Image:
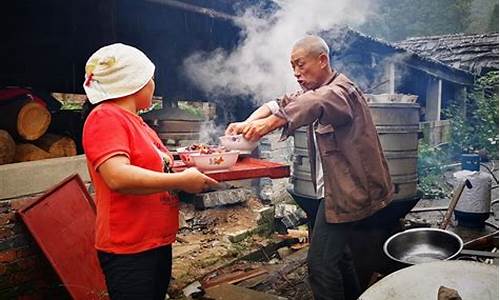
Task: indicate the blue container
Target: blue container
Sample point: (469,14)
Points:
(470,162)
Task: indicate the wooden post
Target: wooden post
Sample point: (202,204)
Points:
(390,73)
(461,98)
(433,99)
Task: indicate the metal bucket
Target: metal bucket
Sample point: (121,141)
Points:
(422,245)
(301,170)
(398,127)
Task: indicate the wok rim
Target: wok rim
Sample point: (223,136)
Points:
(454,235)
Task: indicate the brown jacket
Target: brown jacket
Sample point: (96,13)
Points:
(357,179)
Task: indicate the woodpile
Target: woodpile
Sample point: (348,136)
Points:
(23,133)
(7,148)
(24,119)
(56,145)
(30,152)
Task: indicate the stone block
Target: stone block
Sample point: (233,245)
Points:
(220,198)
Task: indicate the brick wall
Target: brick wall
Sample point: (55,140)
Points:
(25,273)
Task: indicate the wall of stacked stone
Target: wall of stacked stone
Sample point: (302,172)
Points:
(270,148)
(25,273)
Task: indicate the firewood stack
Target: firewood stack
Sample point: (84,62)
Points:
(23,133)
(7,148)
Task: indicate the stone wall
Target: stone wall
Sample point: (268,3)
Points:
(272,149)
(25,273)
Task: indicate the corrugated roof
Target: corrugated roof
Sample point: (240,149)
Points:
(343,39)
(474,53)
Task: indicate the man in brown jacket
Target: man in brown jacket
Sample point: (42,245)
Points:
(351,175)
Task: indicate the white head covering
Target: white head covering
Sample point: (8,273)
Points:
(116,71)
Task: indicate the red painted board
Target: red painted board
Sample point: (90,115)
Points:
(246,168)
(62,221)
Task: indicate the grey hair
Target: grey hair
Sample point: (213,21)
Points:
(313,44)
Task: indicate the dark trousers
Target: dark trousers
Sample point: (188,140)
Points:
(141,276)
(331,270)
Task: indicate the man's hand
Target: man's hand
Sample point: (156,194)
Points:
(255,130)
(236,128)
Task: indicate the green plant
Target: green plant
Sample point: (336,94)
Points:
(185,106)
(474,124)
(429,167)
(155,106)
(71,106)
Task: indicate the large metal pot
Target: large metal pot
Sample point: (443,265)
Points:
(398,126)
(472,280)
(421,245)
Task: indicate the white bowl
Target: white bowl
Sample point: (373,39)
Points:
(237,142)
(185,156)
(215,161)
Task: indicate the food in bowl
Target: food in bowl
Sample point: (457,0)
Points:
(215,160)
(185,153)
(185,156)
(206,149)
(238,142)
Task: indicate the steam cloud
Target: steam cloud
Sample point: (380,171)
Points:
(259,67)
(210,132)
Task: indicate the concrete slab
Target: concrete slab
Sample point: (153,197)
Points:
(26,178)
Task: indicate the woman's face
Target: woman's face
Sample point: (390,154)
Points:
(144,97)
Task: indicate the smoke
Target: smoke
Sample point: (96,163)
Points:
(259,66)
(210,132)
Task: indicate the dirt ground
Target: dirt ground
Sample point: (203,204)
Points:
(204,250)
(204,244)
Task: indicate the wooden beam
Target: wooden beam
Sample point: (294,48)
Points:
(433,68)
(196,9)
(391,76)
(441,71)
(433,99)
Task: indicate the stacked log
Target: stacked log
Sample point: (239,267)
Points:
(7,148)
(24,119)
(30,152)
(57,145)
(23,133)
(48,146)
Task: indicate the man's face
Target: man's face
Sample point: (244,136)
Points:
(309,69)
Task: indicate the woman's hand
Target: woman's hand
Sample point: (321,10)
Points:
(122,177)
(195,182)
(235,128)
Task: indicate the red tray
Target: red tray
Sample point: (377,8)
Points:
(245,168)
(62,221)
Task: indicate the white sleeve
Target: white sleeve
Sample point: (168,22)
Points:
(273,106)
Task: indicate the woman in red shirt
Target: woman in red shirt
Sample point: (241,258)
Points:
(137,215)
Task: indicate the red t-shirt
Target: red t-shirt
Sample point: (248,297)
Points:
(127,223)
